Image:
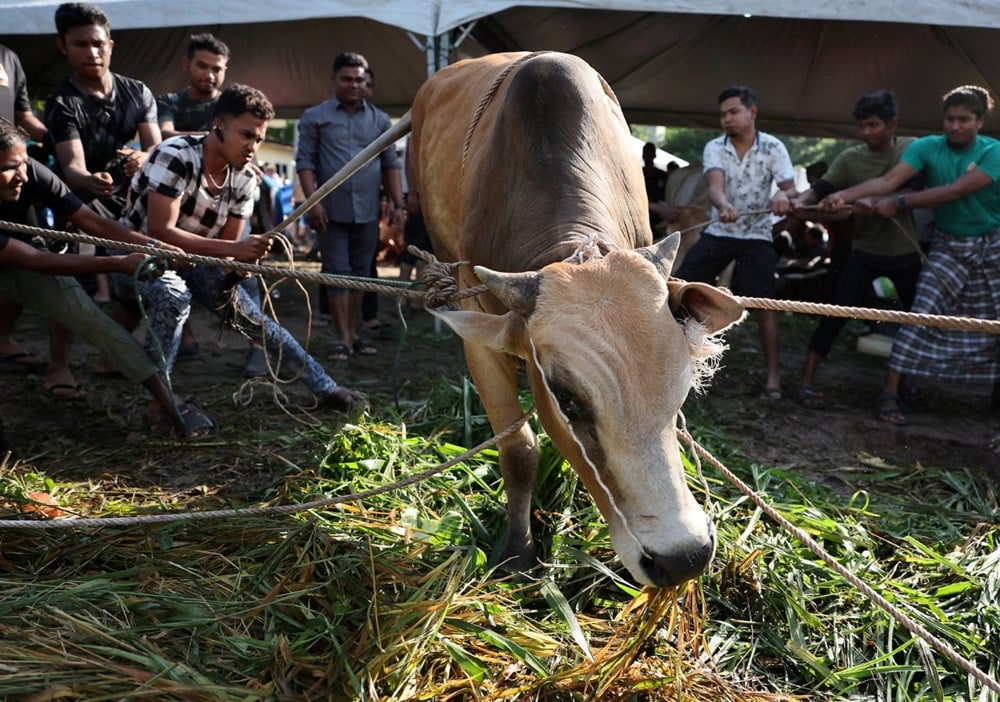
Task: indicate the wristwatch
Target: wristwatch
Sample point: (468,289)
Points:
(901,201)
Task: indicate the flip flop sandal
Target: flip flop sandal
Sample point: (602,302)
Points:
(197,423)
(340,352)
(195,420)
(364,348)
(770,394)
(888,410)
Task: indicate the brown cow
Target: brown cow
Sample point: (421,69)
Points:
(524,168)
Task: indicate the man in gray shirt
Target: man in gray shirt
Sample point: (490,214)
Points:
(330,134)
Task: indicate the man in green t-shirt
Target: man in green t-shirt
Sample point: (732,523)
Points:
(962,170)
(880,247)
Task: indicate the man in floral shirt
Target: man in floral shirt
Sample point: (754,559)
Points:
(740,168)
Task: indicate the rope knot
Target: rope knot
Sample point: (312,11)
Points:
(441,286)
(587,250)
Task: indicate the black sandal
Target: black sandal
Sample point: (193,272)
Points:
(888,410)
(364,348)
(340,352)
(197,423)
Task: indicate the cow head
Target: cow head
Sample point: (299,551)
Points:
(610,365)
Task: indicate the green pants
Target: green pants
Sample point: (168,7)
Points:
(63,299)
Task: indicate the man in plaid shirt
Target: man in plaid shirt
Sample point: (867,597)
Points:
(196,192)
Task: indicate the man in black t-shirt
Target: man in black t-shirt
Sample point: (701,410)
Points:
(94,114)
(192,109)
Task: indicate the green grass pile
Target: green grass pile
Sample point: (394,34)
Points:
(398,597)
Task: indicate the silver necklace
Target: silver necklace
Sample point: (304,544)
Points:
(218,186)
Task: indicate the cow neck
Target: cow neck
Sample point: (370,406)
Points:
(583,451)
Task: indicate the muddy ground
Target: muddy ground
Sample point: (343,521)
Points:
(101,438)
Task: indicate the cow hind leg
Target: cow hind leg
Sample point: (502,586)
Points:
(495,377)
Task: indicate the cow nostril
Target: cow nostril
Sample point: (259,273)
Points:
(672,570)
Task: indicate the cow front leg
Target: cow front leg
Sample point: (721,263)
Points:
(519,467)
(495,376)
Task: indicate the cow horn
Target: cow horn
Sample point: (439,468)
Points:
(516,290)
(662,253)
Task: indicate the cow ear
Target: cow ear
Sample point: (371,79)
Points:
(714,308)
(517,291)
(662,253)
(504,333)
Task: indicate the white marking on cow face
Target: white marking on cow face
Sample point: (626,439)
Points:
(613,368)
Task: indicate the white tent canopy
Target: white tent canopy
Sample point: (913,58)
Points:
(665,59)
(432,17)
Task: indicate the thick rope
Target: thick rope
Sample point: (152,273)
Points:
(913,627)
(867,313)
(197,259)
(928,320)
(447,290)
(442,287)
(261,511)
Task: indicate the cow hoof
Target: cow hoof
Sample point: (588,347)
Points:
(518,564)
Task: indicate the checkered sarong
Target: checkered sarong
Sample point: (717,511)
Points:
(961,279)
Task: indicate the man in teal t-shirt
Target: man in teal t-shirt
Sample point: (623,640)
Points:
(978,212)
(962,170)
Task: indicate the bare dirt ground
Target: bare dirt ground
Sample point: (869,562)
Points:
(101,436)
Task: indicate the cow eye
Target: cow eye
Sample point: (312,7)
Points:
(571,405)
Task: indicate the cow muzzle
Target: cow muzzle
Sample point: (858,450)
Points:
(675,569)
(673,566)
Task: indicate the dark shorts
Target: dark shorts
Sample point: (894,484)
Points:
(348,249)
(754,274)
